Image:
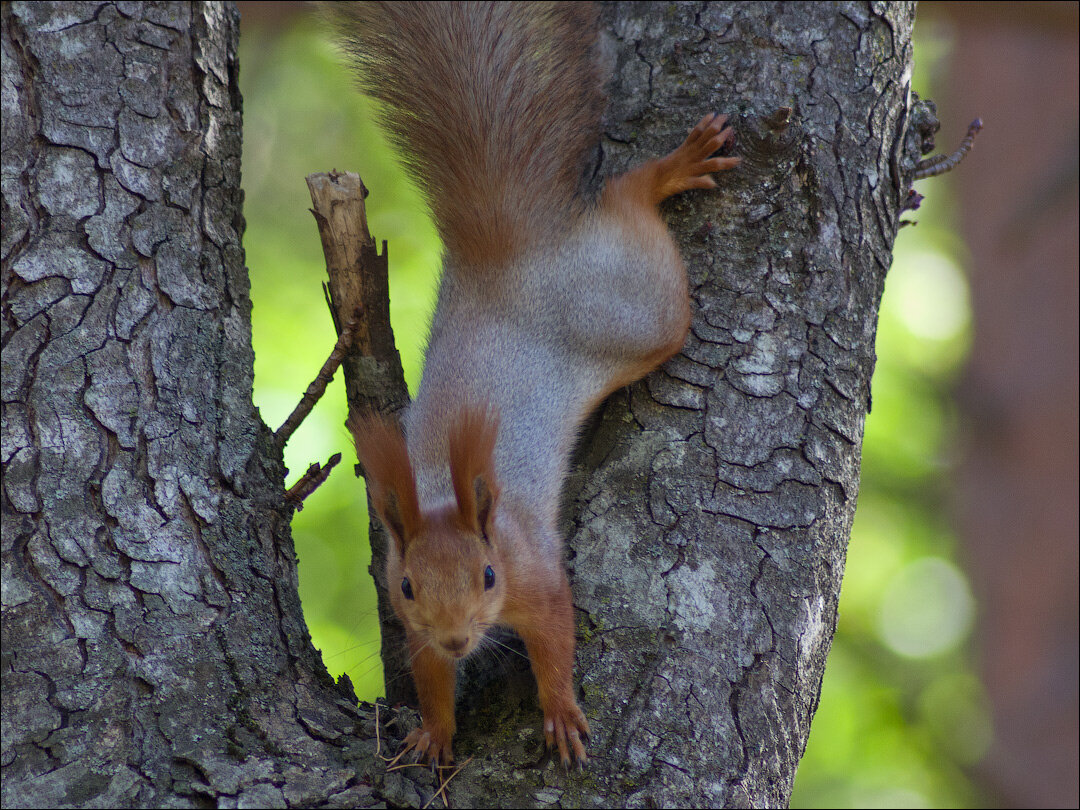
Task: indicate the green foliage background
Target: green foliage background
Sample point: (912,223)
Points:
(302,115)
(902,714)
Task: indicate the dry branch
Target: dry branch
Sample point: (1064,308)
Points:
(310,481)
(374,380)
(317,387)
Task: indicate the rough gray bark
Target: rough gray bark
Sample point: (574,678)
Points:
(729,479)
(153,646)
(154,650)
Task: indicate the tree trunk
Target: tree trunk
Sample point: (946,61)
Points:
(154,651)
(713,502)
(153,646)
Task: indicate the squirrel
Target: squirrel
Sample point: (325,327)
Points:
(548,302)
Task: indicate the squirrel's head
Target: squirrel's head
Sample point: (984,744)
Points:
(445,568)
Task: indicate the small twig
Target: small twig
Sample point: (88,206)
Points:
(394,761)
(311,481)
(939,164)
(931,162)
(318,385)
(378,736)
(442,786)
(402,766)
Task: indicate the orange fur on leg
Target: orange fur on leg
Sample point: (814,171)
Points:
(687,167)
(434,677)
(546,625)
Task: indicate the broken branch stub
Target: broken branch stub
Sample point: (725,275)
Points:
(374,380)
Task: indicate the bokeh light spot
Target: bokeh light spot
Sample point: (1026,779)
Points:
(927,609)
(931,294)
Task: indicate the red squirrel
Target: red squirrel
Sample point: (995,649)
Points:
(548,302)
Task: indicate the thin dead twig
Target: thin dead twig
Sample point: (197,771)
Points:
(378,736)
(441,792)
(318,386)
(939,164)
(311,481)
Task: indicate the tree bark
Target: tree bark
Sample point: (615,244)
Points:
(153,646)
(154,650)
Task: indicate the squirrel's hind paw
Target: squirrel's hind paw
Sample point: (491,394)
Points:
(690,166)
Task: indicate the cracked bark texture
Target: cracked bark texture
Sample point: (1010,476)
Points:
(154,652)
(153,647)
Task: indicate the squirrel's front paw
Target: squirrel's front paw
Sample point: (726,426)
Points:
(429,745)
(564,726)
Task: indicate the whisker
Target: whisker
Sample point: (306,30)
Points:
(507,647)
(488,647)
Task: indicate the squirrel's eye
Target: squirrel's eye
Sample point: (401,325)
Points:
(406,588)
(489,578)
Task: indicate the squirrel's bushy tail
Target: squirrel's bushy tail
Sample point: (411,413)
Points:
(495,108)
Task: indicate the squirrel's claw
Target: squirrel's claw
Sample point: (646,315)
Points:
(564,730)
(709,136)
(691,164)
(423,746)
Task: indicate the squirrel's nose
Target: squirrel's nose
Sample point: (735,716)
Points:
(456,644)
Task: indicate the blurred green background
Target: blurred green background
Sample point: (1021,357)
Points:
(903,715)
(302,115)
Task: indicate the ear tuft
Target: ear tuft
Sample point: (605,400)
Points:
(472,467)
(381,450)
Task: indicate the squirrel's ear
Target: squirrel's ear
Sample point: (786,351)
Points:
(472,468)
(381,449)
